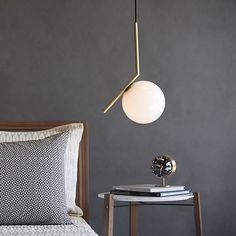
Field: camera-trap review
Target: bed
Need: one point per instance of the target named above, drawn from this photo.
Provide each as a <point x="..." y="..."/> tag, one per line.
<point x="79" y="226"/>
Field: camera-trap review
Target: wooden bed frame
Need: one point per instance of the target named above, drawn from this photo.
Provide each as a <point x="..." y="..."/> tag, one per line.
<point x="82" y="191"/>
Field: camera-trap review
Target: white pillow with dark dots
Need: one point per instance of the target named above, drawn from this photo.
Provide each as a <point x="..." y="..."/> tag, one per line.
<point x="71" y="155"/>
<point x="32" y="183"/>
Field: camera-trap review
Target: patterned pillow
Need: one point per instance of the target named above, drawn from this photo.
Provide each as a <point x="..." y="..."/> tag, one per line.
<point x="71" y="156"/>
<point x="32" y="182"/>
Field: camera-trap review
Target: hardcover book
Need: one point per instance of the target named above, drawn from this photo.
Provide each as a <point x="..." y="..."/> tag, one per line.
<point x="149" y="188"/>
<point x="147" y="194"/>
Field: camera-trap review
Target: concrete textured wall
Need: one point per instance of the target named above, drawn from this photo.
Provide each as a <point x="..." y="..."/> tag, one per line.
<point x="66" y="59"/>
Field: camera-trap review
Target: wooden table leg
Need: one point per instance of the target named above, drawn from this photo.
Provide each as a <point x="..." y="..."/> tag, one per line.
<point x="133" y="219"/>
<point x="197" y="214"/>
<point x="108" y="214"/>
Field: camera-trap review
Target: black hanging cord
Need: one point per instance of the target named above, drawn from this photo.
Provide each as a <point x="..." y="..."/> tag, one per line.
<point x="135" y="10"/>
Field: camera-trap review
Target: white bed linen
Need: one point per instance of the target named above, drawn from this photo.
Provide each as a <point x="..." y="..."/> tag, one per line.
<point x="78" y="228"/>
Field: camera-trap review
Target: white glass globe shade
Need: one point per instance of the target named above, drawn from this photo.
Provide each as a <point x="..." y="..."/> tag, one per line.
<point x="143" y="102"/>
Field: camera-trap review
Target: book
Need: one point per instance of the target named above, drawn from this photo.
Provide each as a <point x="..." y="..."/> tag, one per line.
<point x="147" y="194"/>
<point x="149" y="188"/>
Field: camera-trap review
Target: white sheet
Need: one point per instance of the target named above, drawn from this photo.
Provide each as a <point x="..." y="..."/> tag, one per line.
<point x="78" y="228"/>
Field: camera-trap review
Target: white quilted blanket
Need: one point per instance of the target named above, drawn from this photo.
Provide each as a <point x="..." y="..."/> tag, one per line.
<point x="78" y="228"/>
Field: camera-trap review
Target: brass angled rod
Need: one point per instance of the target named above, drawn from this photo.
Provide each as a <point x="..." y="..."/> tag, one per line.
<point x="112" y="102"/>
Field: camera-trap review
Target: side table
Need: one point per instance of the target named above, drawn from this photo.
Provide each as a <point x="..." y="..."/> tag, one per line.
<point x="134" y="201"/>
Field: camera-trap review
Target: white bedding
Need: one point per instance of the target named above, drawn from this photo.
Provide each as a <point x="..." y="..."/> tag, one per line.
<point x="78" y="228"/>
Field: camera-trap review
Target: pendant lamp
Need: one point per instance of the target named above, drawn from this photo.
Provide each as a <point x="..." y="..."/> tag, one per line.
<point x="143" y="102"/>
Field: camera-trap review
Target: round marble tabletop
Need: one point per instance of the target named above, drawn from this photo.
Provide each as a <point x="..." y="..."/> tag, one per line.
<point x="125" y="198"/>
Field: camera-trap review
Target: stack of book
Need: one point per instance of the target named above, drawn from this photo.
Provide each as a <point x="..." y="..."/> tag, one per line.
<point x="150" y="190"/>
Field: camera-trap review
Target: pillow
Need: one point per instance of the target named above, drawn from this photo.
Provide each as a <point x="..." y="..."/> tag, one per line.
<point x="75" y="131"/>
<point x="32" y="182"/>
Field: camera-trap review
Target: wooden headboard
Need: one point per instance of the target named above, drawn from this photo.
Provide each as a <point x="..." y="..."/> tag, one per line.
<point x="82" y="192"/>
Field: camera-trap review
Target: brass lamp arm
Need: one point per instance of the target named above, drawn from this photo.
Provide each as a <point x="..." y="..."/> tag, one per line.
<point x="112" y="102"/>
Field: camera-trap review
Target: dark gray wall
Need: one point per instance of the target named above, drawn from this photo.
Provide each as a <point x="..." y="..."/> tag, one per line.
<point x="65" y="59"/>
